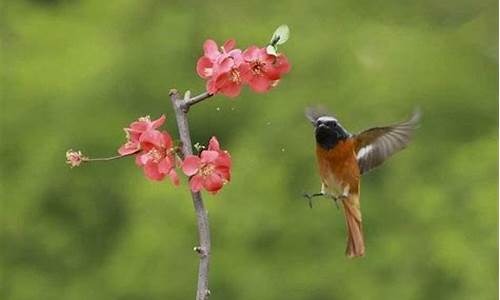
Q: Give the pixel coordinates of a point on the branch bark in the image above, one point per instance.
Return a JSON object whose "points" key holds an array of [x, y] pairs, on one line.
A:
{"points": [[181, 107]]}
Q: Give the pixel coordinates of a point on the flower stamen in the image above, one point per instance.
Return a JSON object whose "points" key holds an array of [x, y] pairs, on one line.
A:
{"points": [[257, 67], [207, 170], [235, 76], [155, 155]]}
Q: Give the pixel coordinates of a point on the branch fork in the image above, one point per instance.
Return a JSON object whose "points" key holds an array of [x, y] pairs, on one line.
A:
{"points": [[186, 103]]}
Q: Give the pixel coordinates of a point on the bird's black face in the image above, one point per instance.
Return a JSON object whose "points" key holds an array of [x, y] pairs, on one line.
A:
{"points": [[329, 132]]}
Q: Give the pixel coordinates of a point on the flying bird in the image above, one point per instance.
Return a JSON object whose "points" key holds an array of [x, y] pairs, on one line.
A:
{"points": [[343, 157]]}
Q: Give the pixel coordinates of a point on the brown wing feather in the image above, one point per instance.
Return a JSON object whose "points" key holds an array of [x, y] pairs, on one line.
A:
{"points": [[375, 145]]}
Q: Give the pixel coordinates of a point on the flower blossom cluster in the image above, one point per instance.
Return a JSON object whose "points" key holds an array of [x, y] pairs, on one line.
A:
{"points": [[156, 154], [228, 69]]}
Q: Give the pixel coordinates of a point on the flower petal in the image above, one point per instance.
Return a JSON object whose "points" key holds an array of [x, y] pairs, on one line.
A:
{"points": [[282, 64], [222, 80], [158, 122], [251, 53], [229, 45], [236, 56], [204, 67], [128, 148], [272, 73], [213, 144], [213, 183], [173, 177], [208, 156], [139, 126], [210, 49], [244, 69], [224, 66], [231, 90], [211, 87], [167, 140], [138, 159], [165, 165], [191, 165], [196, 183], [153, 137], [142, 158], [224, 172], [224, 159], [260, 84], [151, 171], [133, 135]]}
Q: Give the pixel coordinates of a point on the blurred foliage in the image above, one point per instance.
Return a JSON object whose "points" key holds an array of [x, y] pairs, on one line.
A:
{"points": [[73, 73]]}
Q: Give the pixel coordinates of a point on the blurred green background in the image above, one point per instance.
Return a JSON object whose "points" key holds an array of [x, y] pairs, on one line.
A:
{"points": [[74, 73]]}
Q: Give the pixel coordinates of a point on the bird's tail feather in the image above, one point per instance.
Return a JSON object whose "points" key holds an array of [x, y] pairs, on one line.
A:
{"points": [[355, 241]]}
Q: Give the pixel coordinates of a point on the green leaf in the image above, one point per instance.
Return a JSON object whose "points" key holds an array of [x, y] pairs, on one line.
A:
{"points": [[280, 35]]}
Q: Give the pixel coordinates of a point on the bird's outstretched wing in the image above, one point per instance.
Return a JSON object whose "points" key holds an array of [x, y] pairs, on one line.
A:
{"points": [[375, 145]]}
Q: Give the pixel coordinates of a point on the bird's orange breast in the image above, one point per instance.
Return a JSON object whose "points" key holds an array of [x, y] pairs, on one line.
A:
{"points": [[338, 167]]}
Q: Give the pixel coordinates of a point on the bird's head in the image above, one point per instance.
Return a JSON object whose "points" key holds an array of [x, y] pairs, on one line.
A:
{"points": [[327, 129]]}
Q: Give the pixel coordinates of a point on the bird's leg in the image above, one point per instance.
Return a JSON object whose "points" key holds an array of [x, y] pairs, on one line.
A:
{"points": [[311, 196], [338, 198]]}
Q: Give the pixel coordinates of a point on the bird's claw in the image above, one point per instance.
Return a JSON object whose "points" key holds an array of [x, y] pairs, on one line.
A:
{"points": [[311, 196], [335, 200]]}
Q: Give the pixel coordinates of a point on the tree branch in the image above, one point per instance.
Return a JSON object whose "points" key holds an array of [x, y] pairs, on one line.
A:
{"points": [[181, 107]]}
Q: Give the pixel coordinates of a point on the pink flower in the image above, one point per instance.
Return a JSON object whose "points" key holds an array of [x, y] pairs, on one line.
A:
{"points": [[75, 158], [208, 63], [134, 132], [230, 78], [224, 159], [157, 157], [266, 69], [154, 150], [210, 171]]}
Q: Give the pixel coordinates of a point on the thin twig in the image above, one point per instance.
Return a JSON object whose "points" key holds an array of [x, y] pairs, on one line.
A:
{"points": [[181, 107], [91, 159], [187, 103], [107, 158]]}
